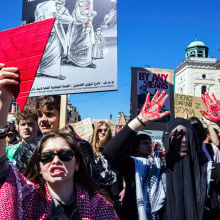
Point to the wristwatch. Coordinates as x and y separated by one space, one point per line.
4 131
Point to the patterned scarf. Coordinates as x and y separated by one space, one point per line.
150 187
20 199
93 207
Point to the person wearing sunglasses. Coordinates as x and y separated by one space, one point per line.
106 177
61 189
101 136
58 166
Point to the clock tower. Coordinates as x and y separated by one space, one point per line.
198 73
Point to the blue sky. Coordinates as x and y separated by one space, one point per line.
154 33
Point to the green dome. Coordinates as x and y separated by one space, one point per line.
196 43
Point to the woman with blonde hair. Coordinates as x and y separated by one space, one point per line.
101 136
107 178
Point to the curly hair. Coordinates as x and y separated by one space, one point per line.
27 113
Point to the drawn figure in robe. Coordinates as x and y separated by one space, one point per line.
57 44
80 34
98 46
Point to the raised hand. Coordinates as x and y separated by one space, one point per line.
213 108
151 109
9 76
9 80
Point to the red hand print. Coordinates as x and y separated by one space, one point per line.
151 109
213 108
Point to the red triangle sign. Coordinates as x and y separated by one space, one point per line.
23 47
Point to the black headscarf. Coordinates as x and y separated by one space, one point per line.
186 177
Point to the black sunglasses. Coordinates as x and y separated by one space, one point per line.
101 130
64 155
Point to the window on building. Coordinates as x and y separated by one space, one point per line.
203 89
204 76
192 53
200 53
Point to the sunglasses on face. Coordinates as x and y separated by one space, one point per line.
64 155
101 130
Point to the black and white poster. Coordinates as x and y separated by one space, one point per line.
81 53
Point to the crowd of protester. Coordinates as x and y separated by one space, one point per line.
49 172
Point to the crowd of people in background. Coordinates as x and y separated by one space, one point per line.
47 172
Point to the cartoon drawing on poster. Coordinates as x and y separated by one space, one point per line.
81 34
81 54
151 82
50 65
98 46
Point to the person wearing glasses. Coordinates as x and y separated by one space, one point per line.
61 188
101 136
57 165
106 177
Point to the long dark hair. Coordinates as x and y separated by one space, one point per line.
81 176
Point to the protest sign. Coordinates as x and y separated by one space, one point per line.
81 55
186 106
84 129
150 80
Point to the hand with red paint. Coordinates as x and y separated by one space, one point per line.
213 108
151 109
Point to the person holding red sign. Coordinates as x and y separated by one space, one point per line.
62 188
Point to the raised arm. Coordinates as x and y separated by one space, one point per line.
150 111
213 108
212 133
117 148
9 78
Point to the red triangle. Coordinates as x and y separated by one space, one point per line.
23 47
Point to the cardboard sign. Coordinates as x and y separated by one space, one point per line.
186 106
23 47
81 55
150 80
84 129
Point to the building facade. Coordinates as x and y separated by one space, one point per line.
198 73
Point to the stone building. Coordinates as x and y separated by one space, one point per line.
198 73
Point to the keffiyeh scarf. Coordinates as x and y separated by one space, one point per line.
20 199
150 186
93 207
